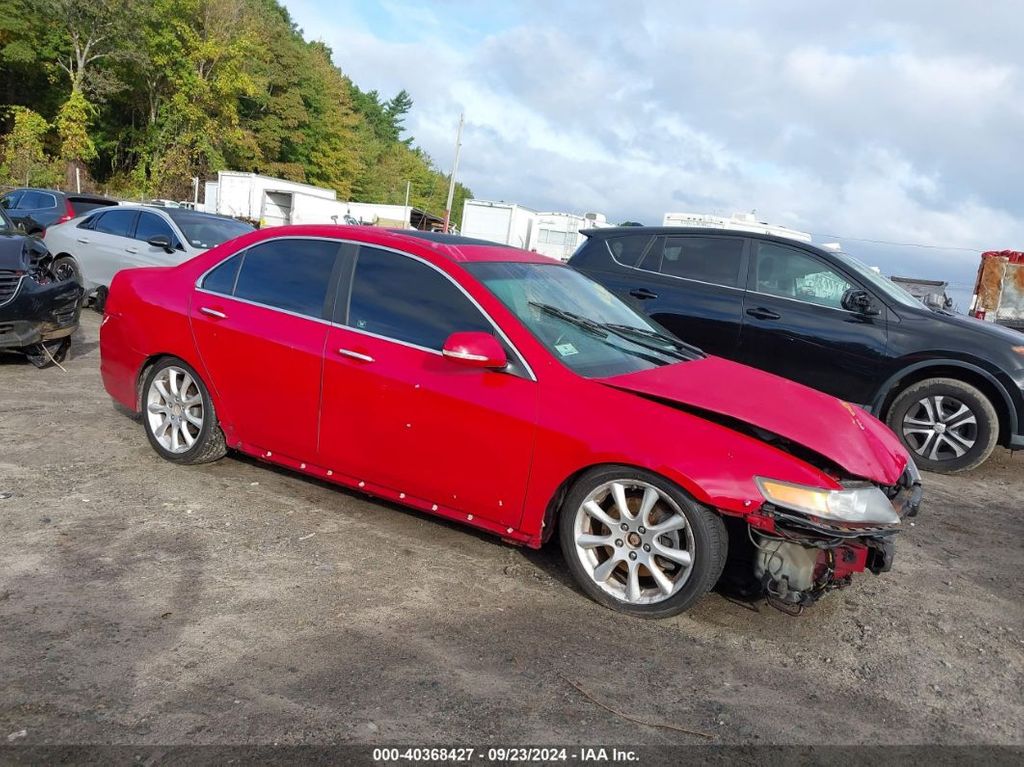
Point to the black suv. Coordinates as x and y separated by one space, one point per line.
35 209
951 387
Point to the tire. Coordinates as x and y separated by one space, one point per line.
66 268
604 570
99 299
174 397
48 353
948 426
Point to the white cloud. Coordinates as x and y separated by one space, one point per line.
873 120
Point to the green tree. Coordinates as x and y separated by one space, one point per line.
146 94
24 160
83 35
73 129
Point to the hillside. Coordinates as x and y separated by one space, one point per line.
143 95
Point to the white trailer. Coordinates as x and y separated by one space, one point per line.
502 222
250 195
558 235
742 222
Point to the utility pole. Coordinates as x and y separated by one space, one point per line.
455 168
408 213
195 192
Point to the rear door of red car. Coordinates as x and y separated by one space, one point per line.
397 413
260 321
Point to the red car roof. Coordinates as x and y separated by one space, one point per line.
454 248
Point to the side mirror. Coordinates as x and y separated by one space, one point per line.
856 300
161 241
475 350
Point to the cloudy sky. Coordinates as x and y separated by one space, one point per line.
900 122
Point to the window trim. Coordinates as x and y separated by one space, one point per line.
350 278
651 239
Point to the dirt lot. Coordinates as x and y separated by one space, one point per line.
141 603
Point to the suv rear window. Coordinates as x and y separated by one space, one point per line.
33 200
716 260
628 250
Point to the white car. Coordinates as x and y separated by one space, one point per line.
98 245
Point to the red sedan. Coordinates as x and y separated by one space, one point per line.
507 391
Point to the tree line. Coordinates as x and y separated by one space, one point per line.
142 95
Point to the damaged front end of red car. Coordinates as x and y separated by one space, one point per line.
807 541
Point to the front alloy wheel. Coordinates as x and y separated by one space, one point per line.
946 424
638 544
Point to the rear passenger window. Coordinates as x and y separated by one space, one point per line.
290 274
117 222
37 201
717 260
401 298
628 250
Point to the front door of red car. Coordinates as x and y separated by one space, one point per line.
397 413
260 324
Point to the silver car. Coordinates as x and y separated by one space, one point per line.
96 246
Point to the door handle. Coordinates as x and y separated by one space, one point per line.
764 314
213 313
132 250
643 293
355 355
83 240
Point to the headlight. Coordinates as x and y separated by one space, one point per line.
865 504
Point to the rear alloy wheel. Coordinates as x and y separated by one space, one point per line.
178 415
638 544
947 425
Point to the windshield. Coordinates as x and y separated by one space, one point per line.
583 325
6 227
204 231
888 287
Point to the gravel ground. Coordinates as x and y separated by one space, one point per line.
145 603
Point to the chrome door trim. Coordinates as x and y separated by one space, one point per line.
359 243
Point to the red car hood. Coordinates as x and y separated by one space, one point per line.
843 433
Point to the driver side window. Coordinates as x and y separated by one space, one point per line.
791 273
406 300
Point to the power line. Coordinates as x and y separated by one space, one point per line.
899 244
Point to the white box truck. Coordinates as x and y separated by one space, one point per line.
502 222
251 196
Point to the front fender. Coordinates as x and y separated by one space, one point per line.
1012 408
711 462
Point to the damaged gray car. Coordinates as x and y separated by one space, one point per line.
39 302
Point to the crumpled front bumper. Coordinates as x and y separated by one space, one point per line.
39 312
